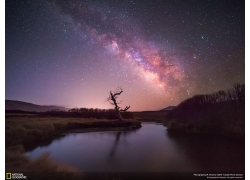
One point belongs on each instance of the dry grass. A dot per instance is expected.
(23, 130)
(41, 168)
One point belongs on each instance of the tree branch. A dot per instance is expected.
(126, 108)
(117, 93)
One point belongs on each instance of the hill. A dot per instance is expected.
(222, 112)
(25, 106)
(168, 108)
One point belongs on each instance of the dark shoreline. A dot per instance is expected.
(33, 138)
(186, 131)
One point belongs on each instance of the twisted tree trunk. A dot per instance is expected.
(112, 100)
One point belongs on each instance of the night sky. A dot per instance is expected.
(160, 52)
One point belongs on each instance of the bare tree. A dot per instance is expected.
(112, 99)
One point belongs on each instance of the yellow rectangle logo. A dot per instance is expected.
(8, 175)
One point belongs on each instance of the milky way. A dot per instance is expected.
(151, 62)
(73, 53)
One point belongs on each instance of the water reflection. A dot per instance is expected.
(211, 153)
(148, 149)
(113, 149)
(42, 143)
(117, 136)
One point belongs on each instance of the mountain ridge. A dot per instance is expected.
(27, 106)
(168, 108)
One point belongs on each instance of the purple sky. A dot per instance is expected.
(72, 53)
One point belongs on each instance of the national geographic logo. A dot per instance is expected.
(8, 175)
(15, 176)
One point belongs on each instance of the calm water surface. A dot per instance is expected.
(149, 149)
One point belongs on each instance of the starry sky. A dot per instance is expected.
(160, 52)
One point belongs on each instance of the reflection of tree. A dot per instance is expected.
(113, 149)
(118, 136)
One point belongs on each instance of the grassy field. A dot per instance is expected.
(25, 130)
(28, 129)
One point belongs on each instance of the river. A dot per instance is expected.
(149, 149)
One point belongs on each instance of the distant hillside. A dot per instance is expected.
(221, 112)
(168, 108)
(25, 106)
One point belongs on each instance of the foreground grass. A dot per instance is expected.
(23, 131)
(41, 168)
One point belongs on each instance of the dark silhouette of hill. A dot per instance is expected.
(168, 108)
(25, 106)
(222, 112)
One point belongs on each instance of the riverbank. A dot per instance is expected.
(219, 113)
(40, 168)
(28, 131)
(180, 129)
